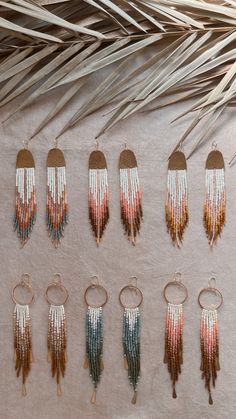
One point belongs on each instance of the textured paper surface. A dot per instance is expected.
(153, 260)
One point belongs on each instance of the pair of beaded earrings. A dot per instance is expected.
(26, 202)
(209, 335)
(57, 333)
(57, 204)
(130, 338)
(177, 196)
(130, 194)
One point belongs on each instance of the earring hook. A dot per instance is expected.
(58, 280)
(177, 276)
(25, 144)
(214, 145)
(96, 282)
(55, 142)
(212, 283)
(25, 279)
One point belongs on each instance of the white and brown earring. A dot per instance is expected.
(177, 197)
(130, 195)
(23, 355)
(57, 204)
(215, 196)
(98, 198)
(57, 331)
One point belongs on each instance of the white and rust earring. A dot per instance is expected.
(174, 329)
(209, 336)
(23, 355)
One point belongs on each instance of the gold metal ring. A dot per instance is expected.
(132, 288)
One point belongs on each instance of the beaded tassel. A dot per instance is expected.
(22, 343)
(209, 348)
(57, 343)
(94, 346)
(131, 346)
(214, 207)
(130, 195)
(173, 342)
(176, 207)
(57, 205)
(26, 207)
(98, 194)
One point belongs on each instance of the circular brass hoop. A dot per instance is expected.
(62, 288)
(212, 290)
(100, 287)
(133, 288)
(179, 284)
(23, 284)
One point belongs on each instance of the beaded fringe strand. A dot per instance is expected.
(131, 346)
(22, 343)
(57, 343)
(209, 337)
(98, 201)
(214, 207)
(173, 342)
(94, 346)
(131, 202)
(176, 204)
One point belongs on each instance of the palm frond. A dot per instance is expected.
(190, 44)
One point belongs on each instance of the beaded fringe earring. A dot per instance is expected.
(174, 334)
(209, 340)
(130, 195)
(177, 197)
(131, 339)
(215, 200)
(94, 339)
(23, 355)
(57, 205)
(26, 206)
(57, 333)
(98, 194)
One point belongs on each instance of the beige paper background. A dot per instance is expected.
(153, 260)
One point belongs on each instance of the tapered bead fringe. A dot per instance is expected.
(22, 343)
(174, 342)
(26, 206)
(176, 205)
(131, 346)
(94, 346)
(57, 205)
(98, 201)
(57, 343)
(209, 338)
(215, 203)
(131, 202)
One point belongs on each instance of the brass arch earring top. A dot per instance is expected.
(174, 331)
(131, 338)
(23, 355)
(209, 337)
(94, 337)
(57, 331)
